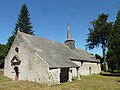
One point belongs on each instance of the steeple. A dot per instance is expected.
(69, 41)
(69, 36)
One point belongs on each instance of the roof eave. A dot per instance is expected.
(85, 60)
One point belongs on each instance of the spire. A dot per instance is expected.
(69, 36)
(70, 42)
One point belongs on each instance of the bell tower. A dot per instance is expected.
(69, 41)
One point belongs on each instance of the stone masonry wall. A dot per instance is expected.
(23, 67)
(31, 68)
(38, 70)
(54, 76)
(87, 68)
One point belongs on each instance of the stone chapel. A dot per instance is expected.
(41, 60)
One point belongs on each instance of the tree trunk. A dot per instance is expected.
(104, 58)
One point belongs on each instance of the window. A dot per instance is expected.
(16, 49)
(81, 63)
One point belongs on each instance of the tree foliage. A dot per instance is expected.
(99, 33)
(9, 43)
(111, 59)
(114, 44)
(97, 56)
(23, 23)
(3, 53)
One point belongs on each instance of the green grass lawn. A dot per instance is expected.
(93, 82)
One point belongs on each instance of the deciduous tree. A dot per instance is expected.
(99, 34)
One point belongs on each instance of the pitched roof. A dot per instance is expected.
(54, 53)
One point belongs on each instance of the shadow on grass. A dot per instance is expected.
(110, 74)
(115, 74)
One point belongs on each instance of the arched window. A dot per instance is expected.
(16, 49)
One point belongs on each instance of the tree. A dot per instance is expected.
(114, 44)
(23, 24)
(3, 53)
(97, 56)
(99, 34)
(9, 43)
(101, 60)
(111, 59)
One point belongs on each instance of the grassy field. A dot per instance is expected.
(94, 82)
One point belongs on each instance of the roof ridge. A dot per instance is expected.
(42, 38)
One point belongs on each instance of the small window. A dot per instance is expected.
(16, 49)
(90, 70)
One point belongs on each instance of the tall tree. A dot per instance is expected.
(24, 21)
(23, 24)
(114, 43)
(99, 34)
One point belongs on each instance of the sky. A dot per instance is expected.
(50, 18)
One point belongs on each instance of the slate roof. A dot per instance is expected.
(56, 54)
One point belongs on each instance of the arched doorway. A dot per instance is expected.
(15, 62)
(16, 73)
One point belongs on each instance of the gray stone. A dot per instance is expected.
(40, 60)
